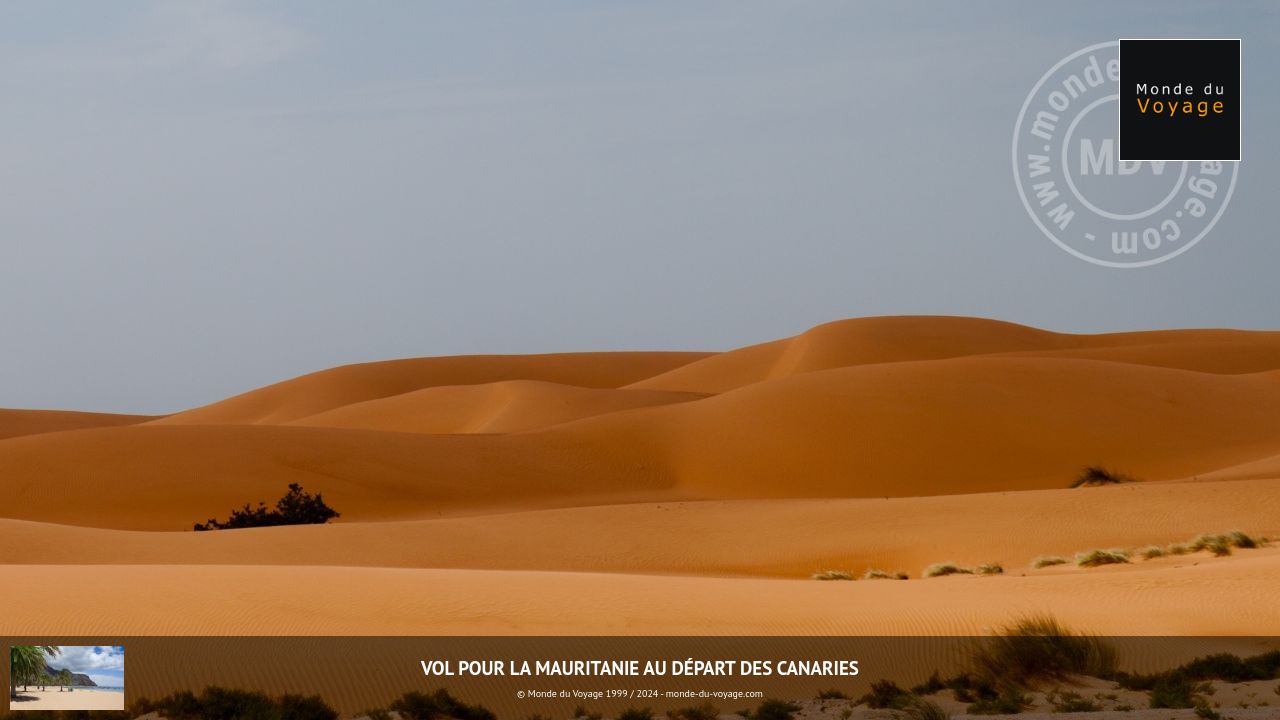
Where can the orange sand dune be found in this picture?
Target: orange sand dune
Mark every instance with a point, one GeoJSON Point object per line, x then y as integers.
{"type": "Point", "coordinates": [328, 389]}
{"type": "Point", "coordinates": [503, 407]}
{"type": "Point", "coordinates": [16, 423]}
{"type": "Point", "coordinates": [652, 493]}
{"type": "Point", "coordinates": [865, 341]}
{"type": "Point", "coordinates": [962, 425]}
{"type": "Point", "coordinates": [165, 477]}
{"type": "Point", "coordinates": [1233, 596]}
{"type": "Point", "coordinates": [768, 538]}
{"type": "Point", "coordinates": [943, 427]}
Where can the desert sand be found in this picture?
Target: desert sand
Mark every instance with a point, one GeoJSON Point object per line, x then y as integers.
{"type": "Point", "coordinates": [674, 493]}
{"type": "Point", "coordinates": [81, 698]}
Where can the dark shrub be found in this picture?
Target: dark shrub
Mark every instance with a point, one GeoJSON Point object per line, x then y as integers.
{"type": "Point", "coordinates": [295, 508]}
{"type": "Point", "coordinates": [775, 710]}
{"type": "Point", "coordinates": [436, 706]}
{"type": "Point", "coordinates": [886, 694]}
{"type": "Point", "coordinates": [696, 712]}
{"type": "Point", "coordinates": [636, 714]}
{"type": "Point", "coordinates": [1038, 648]}
{"type": "Point", "coordinates": [1097, 475]}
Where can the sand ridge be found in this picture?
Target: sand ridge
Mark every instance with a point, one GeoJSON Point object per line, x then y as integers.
{"type": "Point", "coordinates": [495, 494]}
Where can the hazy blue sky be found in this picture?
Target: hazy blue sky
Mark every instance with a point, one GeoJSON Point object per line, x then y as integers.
{"type": "Point", "coordinates": [203, 197]}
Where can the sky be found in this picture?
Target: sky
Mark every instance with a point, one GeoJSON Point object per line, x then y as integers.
{"type": "Point", "coordinates": [200, 198]}
{"type": "Point", "coordinates": [104, 664]}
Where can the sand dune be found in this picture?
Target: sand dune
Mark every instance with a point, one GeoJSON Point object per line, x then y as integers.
{"type": "Point", "coordinates": [328, 389]}
{"type": "Point", "coordinates": [502, 407]}
{"type": "Point", "coordinates": [653, 493]}
{"type": "Point", "coordinates": [943, 427]}
{"type": "Point", "coordinates": [740, 538]}
{"type": "Point", "coordinates": [865, 341]}
{"type": "Point", "coordinates": [17, 423]}
{"type": "Point", "coordinates": [274, 600]}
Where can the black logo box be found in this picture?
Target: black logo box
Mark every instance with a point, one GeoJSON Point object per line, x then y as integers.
{"type": "Point", "coordinates": [1186, 66]}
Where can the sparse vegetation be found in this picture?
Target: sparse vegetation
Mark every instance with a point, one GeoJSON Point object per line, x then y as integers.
{"type": "Point", "coordinates": [1096, 558]}
{"type": "Point", "coordinates": [295, 508]}
{"type": "Point", "coordinates": [832, 694]}
{"type": "Point", "coordinates": [439, 704]}
{"type": "Point", "coordinates": [832, 575]}
{"type": "Point", "coordinates": [1045, 561]}
{"type": "Point", "coordinates": [636, 714]}
{"type": "Point", "coordinates": [1039, 648]}
{"type": "Point", "coordinates": [1095, 475]}
{"type": "Point", "coordinates": [582, 713]}
{"type": "Point", "coordinates": [1064, 701]}
{"type": "Point", "coordinates": [216, 703]}
{"type": "Point", "coordinates": [926, 710]}
{"type": "Point", "coordinates": [886, 694]}
{"type": "Point", "coordinates": [989, 569]}
{"type": "Point", "coordinates": [1151, 552]}
{"type": "Point", "coordinates": [775, 710]}
{"type": "Point", "coordinates": [875, 574]}
{"type": "Point", "coordinates": [1009, 702]}
{"type": "Point", "coordinates": [946, 568]}
{"type": "Point", "coordinates": [695, 712]}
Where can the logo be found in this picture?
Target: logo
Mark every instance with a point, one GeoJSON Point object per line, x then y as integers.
{"type": "Point", "coordinates": [1107, 211]}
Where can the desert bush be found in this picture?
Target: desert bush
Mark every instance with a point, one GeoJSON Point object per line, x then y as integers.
{"type": "Point", "coordinates": [990, 569]}
{"type": "Point", "coordinates": [217, 703]}
{"type": "Point", "coordinates": [946, 568]}
{"type": "Point", "coordinates": [1045, 561]}
{"type": "Point", "coordinates": [934, 684]}
{"type": "Point", "coordinates": [439, 704]}
{"type": "Point", "coordinates": [832, 575]}
{"type": "Point", "coordinates": [775, 710]}
{"type": "Point", "coordinates": [832, 694]}
{"type": "Point", "coordinates": [1219, 545]}
{"type": "Point", "coordinates": [1039, 648]}
{"type": "Point", "coordinates": [886, 694]}
{"type": "Point", "coordinates": [926, 710]}
{"type": "Point", "coordinates": [1151, 552]}
{"type": "Point", "coordinates": [1094, 475]}
{"type": "Point", "coordinates": [1173, 691]}
{"type": "Point", "coordinates": [582, 713]}
{"type": "Point", "coordinates": [1064, 701]}
{"type": "Point", "coordinates": [295, 508]}
{"type": "Point", "coordinates": [876, 574]}
{"type": "Point", "coordinates": [1009, 702]}
{"type": "Point", "coordinates": [1207, 713]}
{"type": "Point", "coordinates": [1178, 549]}
{"type": "Point", "coordinates": [1096, 558]}
{"type": "Point", "coordinates": [636, 714]}
{"type": "Point", "coordinates": [378, 714]}
{"type": "Point", "coordinates": [695, 712]}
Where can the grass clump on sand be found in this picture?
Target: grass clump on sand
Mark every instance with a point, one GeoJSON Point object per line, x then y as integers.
{"type": "Point", "coordinates": [876, 574]}
{"type": "Point", "coordinates": [943, 569]}
{"type": "Point", "coordinates": [832, 575]}
{"type": "Point", "coordinates": [1095, 475]}
{"type": "Point", "coordinates": [706, 711]}
{"type": "Point", "coordinates": [1039, 648]}
{"type": "Point", "coordinates": [1097, 558]}
{"type": "Point", "coordinates": [925, 710]}
{"type": "Point", "coordinates": [1065, 701]}
{"type": "Point", "coordinates": [989, 569]}
{"type": "Point", "coordinates": [775, 710]}
{"type": "Point", "coordinates": [1045, 561]}
{"type": "Point", "coordinates": [1219, 545]}
{"type": "Point", "coordinates": [633, 713]}
{"type": "Point", "coordinates": [885, 694]}
{"type": "Point", "coordinates": [1151, 552]}
{"type": "Point", "coordinates": [218, 702]}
